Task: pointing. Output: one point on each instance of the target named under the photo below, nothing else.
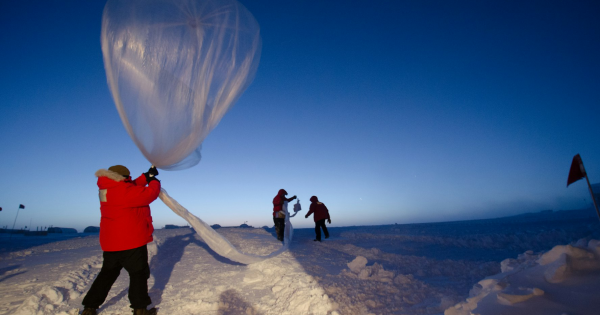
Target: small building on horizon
(62, 230)
(173, 226)
(92, 229)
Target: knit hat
(120, 169)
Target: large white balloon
(174, 68)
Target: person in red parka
(321, 213)
(125, 229)
(278, 213)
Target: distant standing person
(125, 229)
(321, 214)
(278, 214)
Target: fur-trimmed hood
(110, 174)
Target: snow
(563, 280)
(545, 263)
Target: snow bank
(375, 273)
(69, 287)
(559, 281)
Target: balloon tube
(220, 244)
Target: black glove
(150, 177)
(329, 220)
(293, 198)
(153, 171)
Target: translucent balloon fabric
(220, 244)
(174, 68)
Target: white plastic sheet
(220, 244)
(174, 68)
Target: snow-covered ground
(499, 266)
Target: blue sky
(388, 111)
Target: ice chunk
(556, 253)
(558, 270)
(52, 295)
(357, 264)
(253, 276)
(476, 290)
(364, 274)
(511, 299)
(581, 243)
(446, 302)
(562, 260)
(402, 279)
(594, 247)
(384, 274)
(508, 265)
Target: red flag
(21, 207)
(577, 171)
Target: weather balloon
(174, 68)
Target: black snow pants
(279, 227)
(135, 261)
(321, 225)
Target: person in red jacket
(321, 214)
(125, 229)
(278, 213)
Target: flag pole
(592, 193)
(13, 228)
(590, 187)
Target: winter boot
(89, 311)
(143, 311)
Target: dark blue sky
(389, 111)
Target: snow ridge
(69, 287)
(531, 284)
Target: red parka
(319, 209)
(278, 201)
(126, 221)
